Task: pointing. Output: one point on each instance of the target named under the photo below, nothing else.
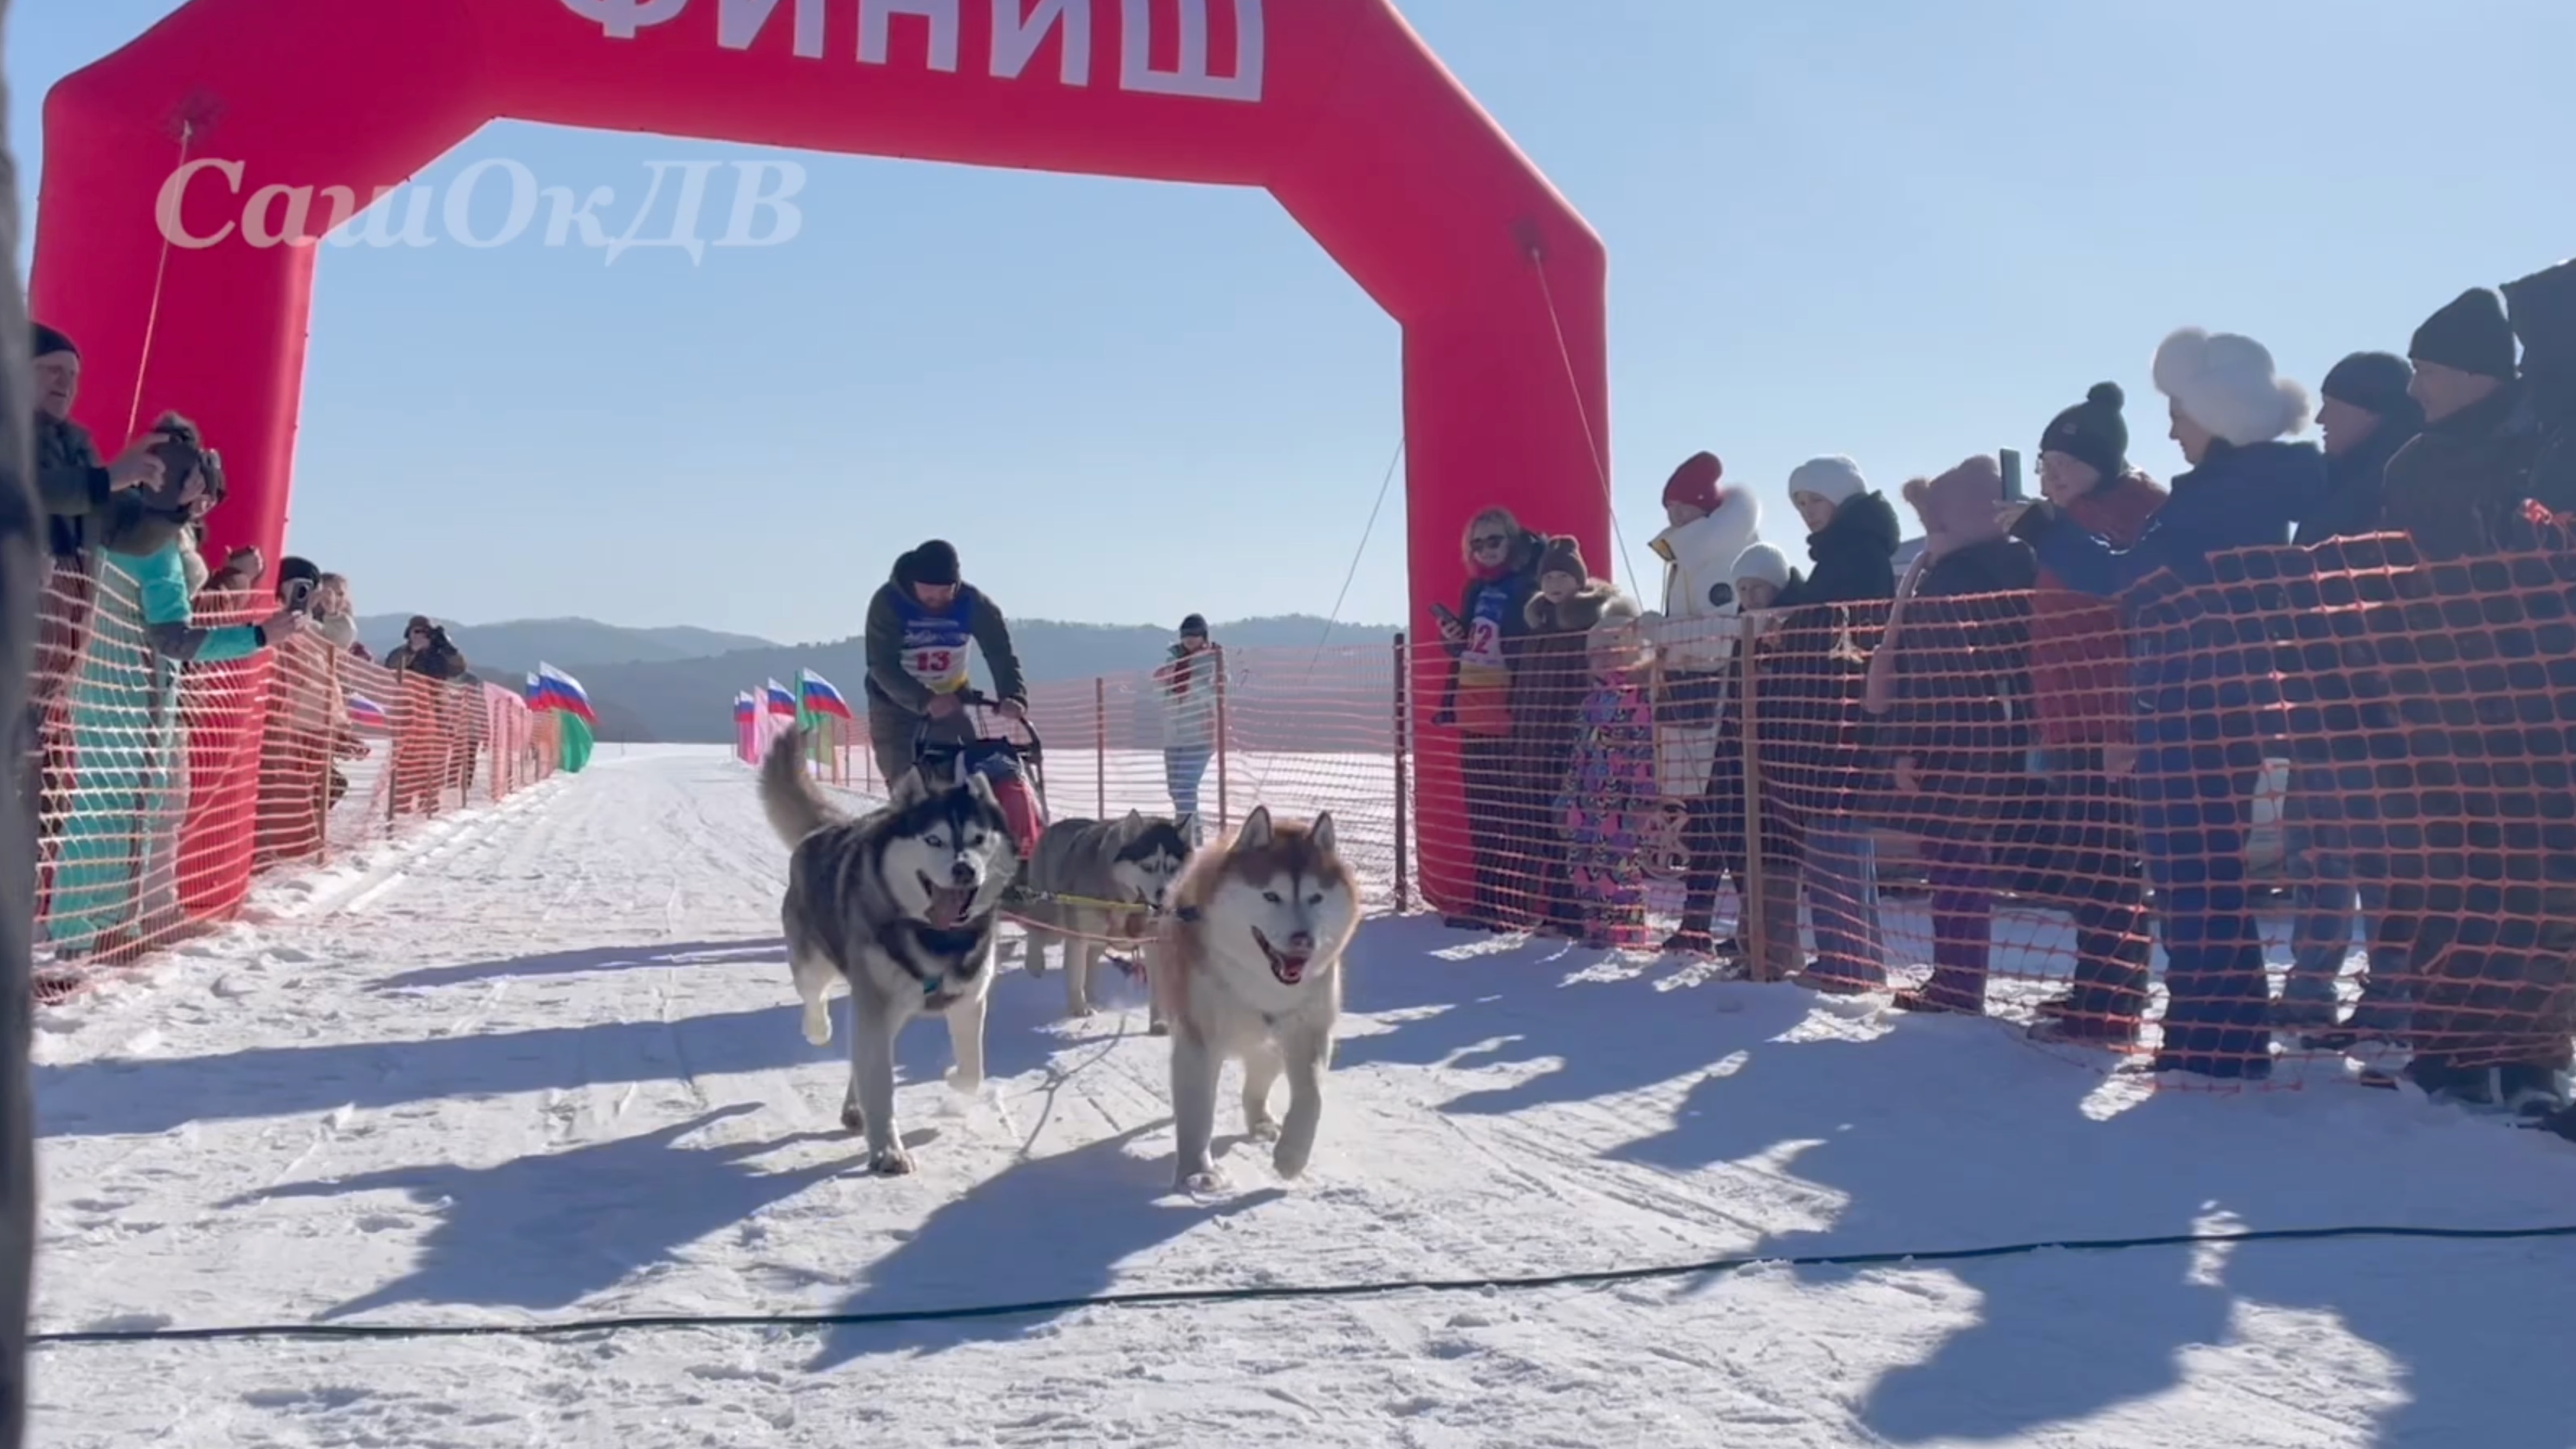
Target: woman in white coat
(1694, 635)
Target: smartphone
(2012, 474)
(299, 596)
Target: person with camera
(115, 878)
(308, 726)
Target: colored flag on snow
(780, 701)
(573, 743)
(819, 696)
(366, 714)
(745, 705)
(558, 690)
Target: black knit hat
(1194, 627)
(1563, 556)
(935, 563)
(2092, 432)
(2374, 382)
(2471, 335)
(49, 341)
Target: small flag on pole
(820, 697)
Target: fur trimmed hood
(1581, 610)
(2227, 384)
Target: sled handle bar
(978, 699)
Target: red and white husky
(1248, 965)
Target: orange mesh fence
(1206, 738)
(2318, 805)
(174, 760)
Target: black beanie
(1563, 556)
(1194, 627)
(935, 563)
(2374, 382)
(49, 341)
(2092, 432)
(2471, 335)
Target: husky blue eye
(1271, 896)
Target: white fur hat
(1763, 561)
(1620, 622)
(1833, 479)
(2226, 384)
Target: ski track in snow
(543, 1062)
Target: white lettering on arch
(740, 22)
(876, 18)
(1190, 76)
(1017, 36)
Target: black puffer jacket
(1855, 555)
(1962, 709)
(2355, 500)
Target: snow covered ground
(542, 1062)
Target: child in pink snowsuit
(1610, 798)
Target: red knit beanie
(1695, 483)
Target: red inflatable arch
(1334, 106)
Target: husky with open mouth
(1248, 965)
(898, 905)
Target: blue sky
(1907, 232)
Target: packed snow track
(543, 1063)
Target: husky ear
(1322, 833)
(909, 791)
(1134, 819)
(1256, 833)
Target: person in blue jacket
(2198, 746)
(127, 743)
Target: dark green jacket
(890, 682)
(71, 485)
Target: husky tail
(794, 804)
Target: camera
(299, 596)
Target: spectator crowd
(2066, 704)
(134, 627)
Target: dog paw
(1289, 1165)
(1262, 1130)
(963, 1085)
(1204, 1180)
(893, 1162)
(1081, 1013)
(818, 1025)
(853, 1119)
(1159, 1028)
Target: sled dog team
(1242, 942)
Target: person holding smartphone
(1505, 801)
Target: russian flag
(366, 714)
(819, 695)
(745, 705)
(558, 690)
(780, 701)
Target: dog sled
(1014, 767)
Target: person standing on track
(1188, 682)
(919, 625)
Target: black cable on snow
(1167, 1298)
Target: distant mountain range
(677, 684)
(514, 647)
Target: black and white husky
(1094, 885)
(899, 905)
